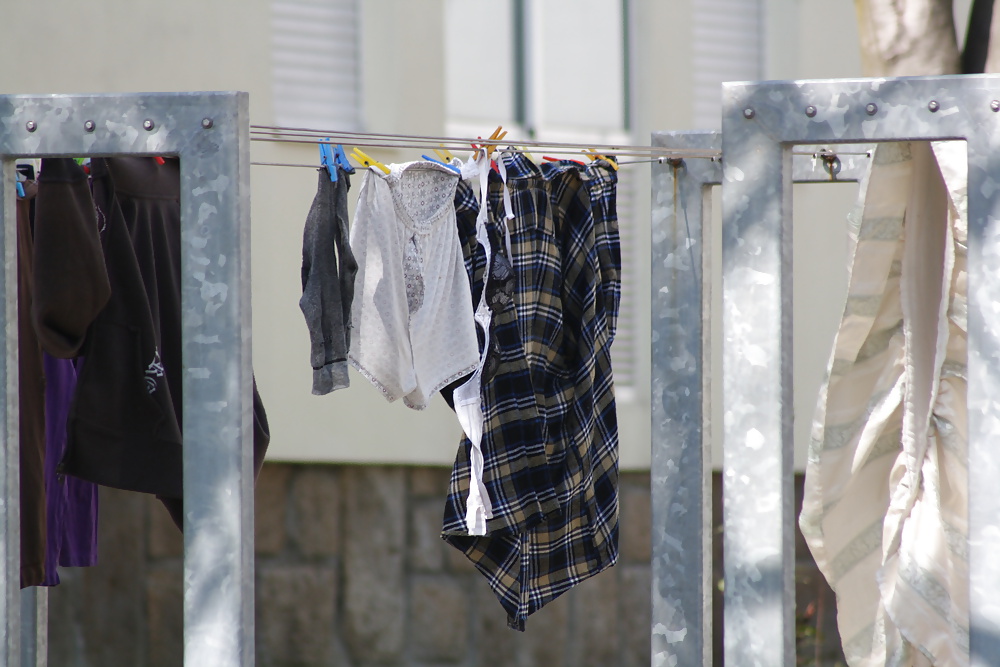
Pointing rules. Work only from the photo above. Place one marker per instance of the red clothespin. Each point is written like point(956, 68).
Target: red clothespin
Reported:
point(159, 160)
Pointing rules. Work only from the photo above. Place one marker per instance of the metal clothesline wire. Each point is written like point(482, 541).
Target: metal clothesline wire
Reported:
point(575, 149)
point(301, 135)
point(293, 135)
point(318, 136)
point(622, 163)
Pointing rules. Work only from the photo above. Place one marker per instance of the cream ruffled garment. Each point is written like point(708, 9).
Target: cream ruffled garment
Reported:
point(885, 507)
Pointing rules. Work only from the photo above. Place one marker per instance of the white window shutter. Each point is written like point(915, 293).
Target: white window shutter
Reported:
point(727, 47)
point(315, 64)
point(623, 351)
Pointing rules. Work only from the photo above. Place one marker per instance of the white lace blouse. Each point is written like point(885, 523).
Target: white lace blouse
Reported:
point(412, 311)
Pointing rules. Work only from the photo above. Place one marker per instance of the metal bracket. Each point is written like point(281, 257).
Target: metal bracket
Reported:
point(209, 132)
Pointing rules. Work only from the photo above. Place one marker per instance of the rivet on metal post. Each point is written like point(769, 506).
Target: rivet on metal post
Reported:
point(933, 106)
point(31, 126)
point(207, 123)
point(89, 126)
point(810, 111)
point(871, 109)
point(749, 113)
point(148, 124)
point(995, 105)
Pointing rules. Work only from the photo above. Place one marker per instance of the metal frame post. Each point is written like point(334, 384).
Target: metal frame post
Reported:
point(761, 121)
point(209, 132)
point(681, 383)
point(680, 468)
point(34, 626)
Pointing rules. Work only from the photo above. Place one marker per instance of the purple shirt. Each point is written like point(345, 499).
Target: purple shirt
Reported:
point(72, 503)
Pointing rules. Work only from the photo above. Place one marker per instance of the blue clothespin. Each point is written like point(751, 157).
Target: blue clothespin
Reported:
point(333, 156)
point(20, 188)
point(340, 159)
point(327, 159)
point(443, 164)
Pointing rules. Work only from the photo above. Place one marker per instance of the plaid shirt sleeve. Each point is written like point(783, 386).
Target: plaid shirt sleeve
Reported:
point(602, 185)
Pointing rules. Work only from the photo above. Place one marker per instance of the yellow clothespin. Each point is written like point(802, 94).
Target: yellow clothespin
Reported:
point(525, 152)
point(444, 154)
point(594, 155)
point(360, 156)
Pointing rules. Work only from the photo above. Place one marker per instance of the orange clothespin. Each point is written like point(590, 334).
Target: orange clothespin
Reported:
point(486, 145)
point(495, 137)
point(360, 156)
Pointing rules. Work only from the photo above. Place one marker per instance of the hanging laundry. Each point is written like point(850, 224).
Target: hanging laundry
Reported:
point(468, 401)
point(886, 502)
point(31, 407)
point(562, 313)
point(328, 273)
point(124, 427)
point(412, 312)
point(514, 473)
point(71, 503)
point(602, 186)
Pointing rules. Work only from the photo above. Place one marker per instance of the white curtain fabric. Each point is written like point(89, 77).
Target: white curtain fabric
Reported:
point(885, 507)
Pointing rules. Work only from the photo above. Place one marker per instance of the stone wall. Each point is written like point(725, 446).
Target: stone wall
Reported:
point(351, 572)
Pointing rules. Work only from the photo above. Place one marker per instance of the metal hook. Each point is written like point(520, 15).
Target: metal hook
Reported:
point(831, 163)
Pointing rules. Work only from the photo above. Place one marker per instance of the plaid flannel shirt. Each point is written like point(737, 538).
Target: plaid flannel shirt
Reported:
point(567, 264)
point(514, 470)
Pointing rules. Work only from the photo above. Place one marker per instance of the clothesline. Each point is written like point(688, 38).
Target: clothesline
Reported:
point(296, 135)
point(301, 135)
point(621, 163)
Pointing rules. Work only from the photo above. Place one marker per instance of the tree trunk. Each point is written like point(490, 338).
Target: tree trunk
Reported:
point(907, 37)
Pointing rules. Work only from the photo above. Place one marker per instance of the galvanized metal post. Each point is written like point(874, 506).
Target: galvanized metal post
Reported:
point(757, 475)
point(209, 132)
point(34, 626)
point(984, 372)
point(218, 452)
point(681, 463)
point(10, 524)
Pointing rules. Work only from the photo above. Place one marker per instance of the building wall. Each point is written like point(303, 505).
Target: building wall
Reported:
point(126, 46)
